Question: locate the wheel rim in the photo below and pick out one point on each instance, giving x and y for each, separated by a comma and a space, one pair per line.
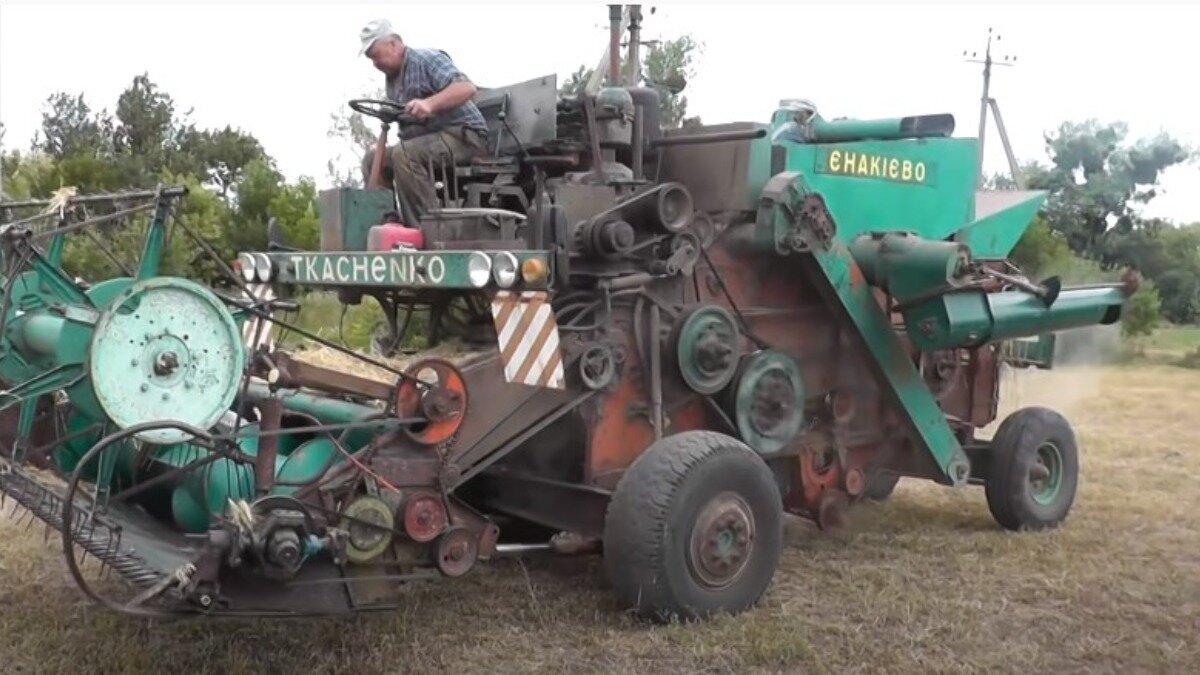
721, 541
1045, 476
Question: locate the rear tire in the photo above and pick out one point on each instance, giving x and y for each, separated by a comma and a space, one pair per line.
1034, 470
694, 528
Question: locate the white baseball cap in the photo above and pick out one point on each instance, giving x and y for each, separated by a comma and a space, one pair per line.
379, 28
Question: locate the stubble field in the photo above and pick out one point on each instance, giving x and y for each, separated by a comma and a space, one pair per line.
925, 582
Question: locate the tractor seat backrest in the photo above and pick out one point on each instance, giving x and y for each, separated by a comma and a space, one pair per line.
530, 114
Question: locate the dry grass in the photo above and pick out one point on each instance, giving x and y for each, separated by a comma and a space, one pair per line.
925, 582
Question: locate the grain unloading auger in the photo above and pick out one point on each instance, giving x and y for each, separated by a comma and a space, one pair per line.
646, 342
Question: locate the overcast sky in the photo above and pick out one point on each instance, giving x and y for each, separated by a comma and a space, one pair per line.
278, 69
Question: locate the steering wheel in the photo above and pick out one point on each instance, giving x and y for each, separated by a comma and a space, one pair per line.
384, 110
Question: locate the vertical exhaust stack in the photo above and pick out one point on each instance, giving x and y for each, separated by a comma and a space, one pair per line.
614, 45
635, 44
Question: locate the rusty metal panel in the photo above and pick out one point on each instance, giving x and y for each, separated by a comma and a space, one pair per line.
720, 176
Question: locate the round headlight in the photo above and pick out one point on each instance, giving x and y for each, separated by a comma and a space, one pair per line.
246, 265
504, 269
479, 269
262, 266
534, 270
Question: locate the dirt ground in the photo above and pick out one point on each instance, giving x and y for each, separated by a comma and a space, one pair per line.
924, 582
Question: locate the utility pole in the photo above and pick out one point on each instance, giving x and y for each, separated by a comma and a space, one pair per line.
986, 101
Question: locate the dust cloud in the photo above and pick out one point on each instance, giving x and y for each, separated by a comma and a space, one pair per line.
1079, 358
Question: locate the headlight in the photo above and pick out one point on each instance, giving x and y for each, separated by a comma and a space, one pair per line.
534, 271
479, 269
262, 266
504, 269
246, 265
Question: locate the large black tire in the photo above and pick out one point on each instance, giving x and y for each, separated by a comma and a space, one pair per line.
664, 567
1034, 470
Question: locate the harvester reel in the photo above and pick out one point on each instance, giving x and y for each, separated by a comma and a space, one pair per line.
706, 348
166, 349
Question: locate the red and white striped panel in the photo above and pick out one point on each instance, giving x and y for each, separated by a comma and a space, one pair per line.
528, 337
261, 292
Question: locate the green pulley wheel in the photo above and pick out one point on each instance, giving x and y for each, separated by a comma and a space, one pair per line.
706, 348
767, 400
166, 349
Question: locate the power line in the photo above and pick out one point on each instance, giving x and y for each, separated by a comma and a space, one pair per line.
986, 101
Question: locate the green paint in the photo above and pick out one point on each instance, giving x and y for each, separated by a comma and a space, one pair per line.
348, 214
166, 349
394, 269
156, 239
893, 175
308, 463
707, 348
842, 283
975, 318
54, 254
906, 266
1045, 490
994, 236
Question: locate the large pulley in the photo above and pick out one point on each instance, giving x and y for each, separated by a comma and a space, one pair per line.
166, 349
706, 348
766, 400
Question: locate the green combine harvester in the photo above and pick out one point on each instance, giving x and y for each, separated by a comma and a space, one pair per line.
643, 343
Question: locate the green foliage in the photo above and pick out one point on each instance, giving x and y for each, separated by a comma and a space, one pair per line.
1141, 312
1040, 248
233, 186
668, 67
1096, 180
356, 136
1171, 257
296, 208
574, 83
1090, 226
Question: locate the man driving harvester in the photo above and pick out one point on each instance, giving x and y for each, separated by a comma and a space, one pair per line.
449, 126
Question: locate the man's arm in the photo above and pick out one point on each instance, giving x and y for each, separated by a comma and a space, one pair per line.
454, 88
456, 94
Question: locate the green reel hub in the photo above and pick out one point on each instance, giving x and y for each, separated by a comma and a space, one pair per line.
767, 401
166, 349
706, 348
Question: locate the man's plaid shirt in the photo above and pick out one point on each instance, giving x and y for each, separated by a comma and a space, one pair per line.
426, 72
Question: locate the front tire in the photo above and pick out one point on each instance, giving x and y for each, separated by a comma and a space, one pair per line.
1034, 470
694, 528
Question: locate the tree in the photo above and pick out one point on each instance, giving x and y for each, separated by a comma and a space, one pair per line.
219, 157
1141, 312
233, 186
668, 67
356, 137
1095, 180
69, 127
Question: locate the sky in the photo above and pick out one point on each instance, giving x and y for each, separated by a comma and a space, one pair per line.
279, 69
